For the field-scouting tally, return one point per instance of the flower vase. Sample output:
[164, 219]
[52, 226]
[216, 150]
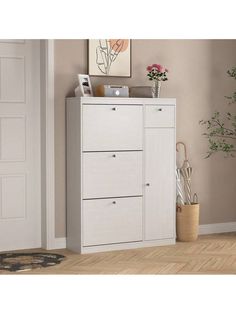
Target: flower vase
[156, 89]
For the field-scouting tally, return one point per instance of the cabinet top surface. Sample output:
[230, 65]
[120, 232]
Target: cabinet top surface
[124, 100]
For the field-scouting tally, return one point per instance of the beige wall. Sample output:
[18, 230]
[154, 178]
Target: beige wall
[197, 79]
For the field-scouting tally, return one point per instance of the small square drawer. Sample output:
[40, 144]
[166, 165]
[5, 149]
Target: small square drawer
[159, 116]
[115, 220]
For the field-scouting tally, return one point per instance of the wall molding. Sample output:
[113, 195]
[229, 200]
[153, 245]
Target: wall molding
[49, 241]
[217, 228]
[50, 151]
[50, 142]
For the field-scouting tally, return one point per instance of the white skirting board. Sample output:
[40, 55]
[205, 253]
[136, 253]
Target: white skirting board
[217, 228]
[60, 243]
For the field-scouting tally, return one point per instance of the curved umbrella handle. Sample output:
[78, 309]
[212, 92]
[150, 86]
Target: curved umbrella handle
[185, 149]
[195, 198]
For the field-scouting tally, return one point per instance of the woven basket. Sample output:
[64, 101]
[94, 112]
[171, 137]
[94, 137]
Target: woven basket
[187, 222]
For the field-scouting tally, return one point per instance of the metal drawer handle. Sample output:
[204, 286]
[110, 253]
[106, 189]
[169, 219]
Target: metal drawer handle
[114, 155]
[114, 202]
[114, 108]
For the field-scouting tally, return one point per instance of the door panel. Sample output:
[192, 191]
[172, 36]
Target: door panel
[13, 82]
[20, 205]
[160, 183]
[13, 207]
[12, 145]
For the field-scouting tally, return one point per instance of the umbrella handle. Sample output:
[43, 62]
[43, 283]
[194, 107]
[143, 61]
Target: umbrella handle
[185, 149]
[195, 198]
[178, 208]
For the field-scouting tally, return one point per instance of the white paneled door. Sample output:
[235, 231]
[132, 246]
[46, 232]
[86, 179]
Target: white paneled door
[160, 183]
[20, 206]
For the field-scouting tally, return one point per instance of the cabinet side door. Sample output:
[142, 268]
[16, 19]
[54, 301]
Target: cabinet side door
[159, 183]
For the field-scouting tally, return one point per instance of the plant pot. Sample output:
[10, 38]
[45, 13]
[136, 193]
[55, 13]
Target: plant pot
[187, 222]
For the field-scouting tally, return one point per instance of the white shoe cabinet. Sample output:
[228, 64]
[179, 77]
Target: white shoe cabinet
[120, 173]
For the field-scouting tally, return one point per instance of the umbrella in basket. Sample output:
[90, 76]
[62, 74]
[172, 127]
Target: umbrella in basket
[186, 172]
[179, 189]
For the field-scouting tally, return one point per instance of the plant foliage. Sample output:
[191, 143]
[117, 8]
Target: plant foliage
[221, 128]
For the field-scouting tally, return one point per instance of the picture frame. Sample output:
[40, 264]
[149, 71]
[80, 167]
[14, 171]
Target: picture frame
[109, 57]
[85, 85]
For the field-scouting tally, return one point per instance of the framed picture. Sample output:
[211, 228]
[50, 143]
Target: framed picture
[85, 85]
[109, 57]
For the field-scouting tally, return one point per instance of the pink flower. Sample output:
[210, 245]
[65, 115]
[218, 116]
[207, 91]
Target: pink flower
[162, 69]
[157, 66]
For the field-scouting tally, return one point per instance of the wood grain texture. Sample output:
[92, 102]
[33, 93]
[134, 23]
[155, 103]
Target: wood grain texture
[210, 254]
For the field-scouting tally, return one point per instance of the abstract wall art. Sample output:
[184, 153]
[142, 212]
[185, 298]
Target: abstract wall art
[109, 57]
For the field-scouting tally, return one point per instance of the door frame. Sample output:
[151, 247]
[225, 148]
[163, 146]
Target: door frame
[49, 241]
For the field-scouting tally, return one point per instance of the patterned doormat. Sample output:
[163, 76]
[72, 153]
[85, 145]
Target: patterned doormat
[16, 262]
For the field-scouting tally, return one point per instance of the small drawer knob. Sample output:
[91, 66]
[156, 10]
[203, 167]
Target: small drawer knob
[114, 108]
[147, 184]
[159, 109]
[114, 202]
[114, 155]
